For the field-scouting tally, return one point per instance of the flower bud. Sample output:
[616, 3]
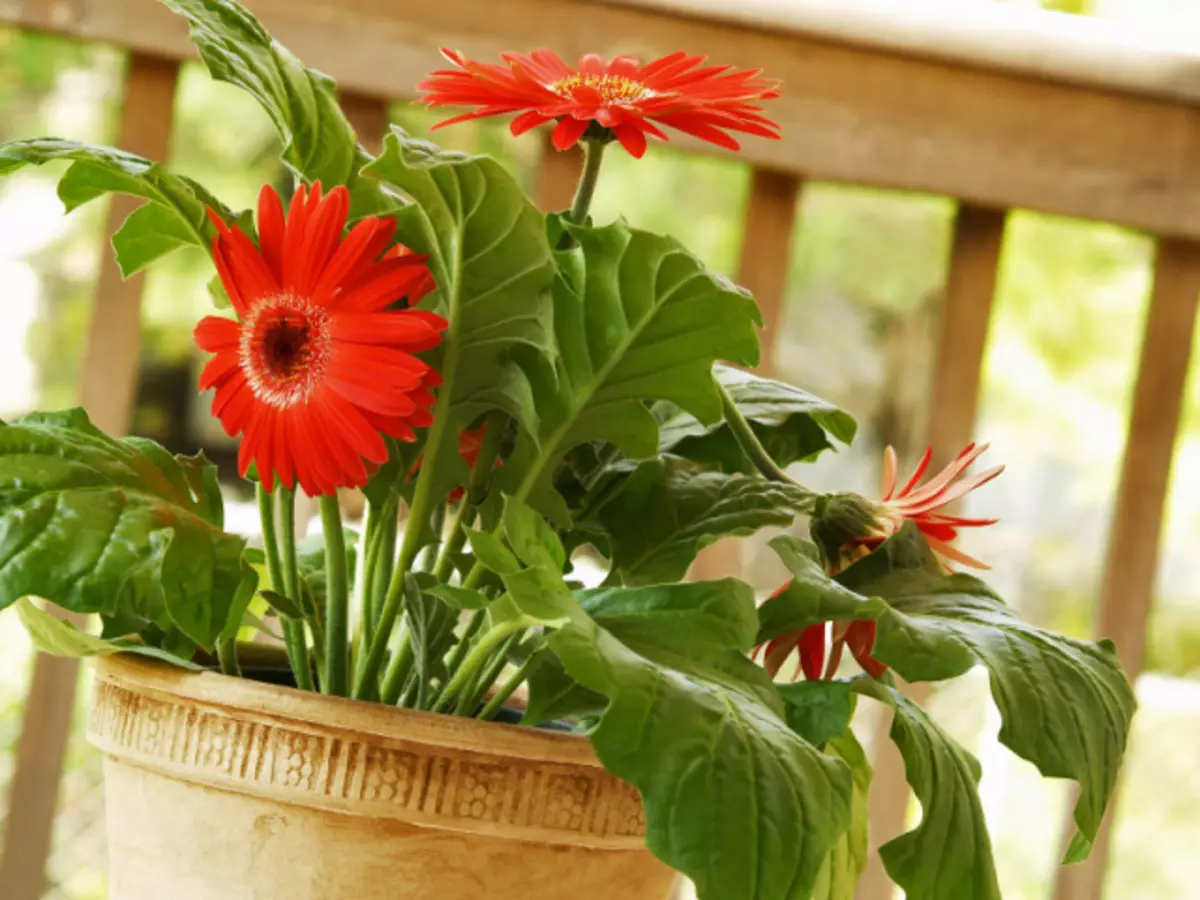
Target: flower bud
[841, 522]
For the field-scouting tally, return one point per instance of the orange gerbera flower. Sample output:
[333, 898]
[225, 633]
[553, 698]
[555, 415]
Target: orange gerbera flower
[622, 96]
[315, 368]
[917, 503]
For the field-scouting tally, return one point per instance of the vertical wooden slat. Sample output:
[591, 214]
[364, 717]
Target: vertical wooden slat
[557, 175]
[770, 222]
[966, 312]
[107, 388]
[1126, 592]
[368, 115]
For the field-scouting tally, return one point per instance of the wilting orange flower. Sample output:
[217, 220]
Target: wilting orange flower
[917, 503]
[314, 369]
[622, 96]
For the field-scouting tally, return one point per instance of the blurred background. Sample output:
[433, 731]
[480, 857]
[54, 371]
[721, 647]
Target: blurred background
[858, 326]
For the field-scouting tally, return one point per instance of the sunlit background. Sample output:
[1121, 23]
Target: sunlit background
[862, 305]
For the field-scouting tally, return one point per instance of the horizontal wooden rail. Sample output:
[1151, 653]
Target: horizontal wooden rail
[857, 107]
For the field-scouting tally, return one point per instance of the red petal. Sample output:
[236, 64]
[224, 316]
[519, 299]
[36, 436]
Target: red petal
[216, 333]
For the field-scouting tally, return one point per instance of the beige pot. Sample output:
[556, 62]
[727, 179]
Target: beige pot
[222, 789]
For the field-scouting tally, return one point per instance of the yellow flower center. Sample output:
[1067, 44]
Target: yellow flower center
[613, 88]
[285, 344]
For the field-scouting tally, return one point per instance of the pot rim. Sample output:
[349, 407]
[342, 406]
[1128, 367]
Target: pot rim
[270, 702]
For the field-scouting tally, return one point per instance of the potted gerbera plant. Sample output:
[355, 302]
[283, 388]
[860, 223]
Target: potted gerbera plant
[528, 387]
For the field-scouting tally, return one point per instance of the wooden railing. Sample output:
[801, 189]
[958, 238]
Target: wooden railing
[998, 108]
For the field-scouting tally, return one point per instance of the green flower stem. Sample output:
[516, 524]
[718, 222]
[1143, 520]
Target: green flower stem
[479, 656]
[474, 624]
[514, 681]
[748, 440]
[227, 656]
[385, 562]
[481, 473]
[398, 670]
[368, 560]
[593, 155]
[425, 559]
[368, 672]
[293, 632]
[470, 701]
[336, 679]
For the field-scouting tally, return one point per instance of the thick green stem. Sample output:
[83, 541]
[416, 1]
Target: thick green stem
[479, 656]
[469, 701]
[593, 154]
[398, 671]
[385, 562]
[507, 689]
[748, 440]
[336, 678]
[277, 570]
[425, 559]
[227, 656]
[476, 622]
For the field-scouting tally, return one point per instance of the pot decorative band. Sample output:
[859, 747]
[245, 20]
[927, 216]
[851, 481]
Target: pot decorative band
[427, 770]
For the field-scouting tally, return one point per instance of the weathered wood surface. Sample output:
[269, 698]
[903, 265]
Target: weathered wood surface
[1111, 147]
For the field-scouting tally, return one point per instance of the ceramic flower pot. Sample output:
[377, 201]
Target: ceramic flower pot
[224, 789]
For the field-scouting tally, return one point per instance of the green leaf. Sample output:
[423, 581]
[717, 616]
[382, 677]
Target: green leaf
[1065, 705]
[491, 552]
[100, 525]
[553, 694]
[812, 596]
[58, 637]
[174, 216]
[848, 859]
[492, 264]
[793, 425]
[534, 541]
[459, 597]
[702, 737]
[818, 711]
[670, 509]
[949, 855]
[318, 141]
[431, 624]
[637, 318]
[285, 607]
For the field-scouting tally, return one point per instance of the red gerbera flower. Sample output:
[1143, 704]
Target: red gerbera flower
[314, 369]
[622, 96]
[917, 503]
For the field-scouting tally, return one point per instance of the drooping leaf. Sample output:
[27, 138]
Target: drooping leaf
[818, 711]
[491, 552]
[812, 596]
[848, 859]
[283, 606]
[792, 424]
[1065, 704]
[670, 509]
[733, 797]
[491, 261]
[173, 217]
[58, 637]
[318, 141]
[95, 524]
[637, 318]
[949, 855]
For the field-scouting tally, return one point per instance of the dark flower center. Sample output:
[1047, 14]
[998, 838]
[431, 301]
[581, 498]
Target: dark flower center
[285, 346]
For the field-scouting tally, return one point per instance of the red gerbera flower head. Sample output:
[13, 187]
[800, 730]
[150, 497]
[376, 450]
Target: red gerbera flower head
[849, 527]
[315, 368]
[624, 99]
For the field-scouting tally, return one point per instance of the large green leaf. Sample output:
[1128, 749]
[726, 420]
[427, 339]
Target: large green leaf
[492, 263]
[120, 528]
[733, 797]
[670, 509]
[58, 637]
[637, 318]
[949, 855]
[791, 424]
[811, 596]
[318, 141]
[174, 217]
[848, 859]
[818, 711]
[1065, 704]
